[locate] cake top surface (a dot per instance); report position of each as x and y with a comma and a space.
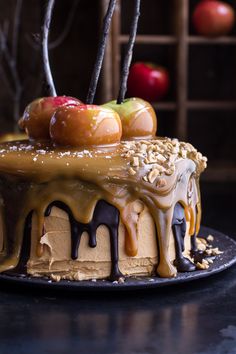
131, 158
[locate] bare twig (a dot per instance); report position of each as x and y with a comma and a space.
101, 51
35, 41
10, 61
15, 31
129, 53
46, 28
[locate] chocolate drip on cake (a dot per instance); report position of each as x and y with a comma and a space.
182, 263
194, 243
21, 267
196, 254
104, 214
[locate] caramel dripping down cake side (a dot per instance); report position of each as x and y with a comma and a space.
141, 203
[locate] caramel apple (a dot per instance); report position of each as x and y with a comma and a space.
37, 115
85, 125
137, 116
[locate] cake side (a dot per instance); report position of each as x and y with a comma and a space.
95, 263
102, 186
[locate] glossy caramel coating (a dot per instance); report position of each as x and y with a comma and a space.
85, 125
37, 115
137, 116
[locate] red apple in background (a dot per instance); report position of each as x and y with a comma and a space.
37, 115
148, 81
213, 18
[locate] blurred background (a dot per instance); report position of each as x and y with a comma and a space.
199, 102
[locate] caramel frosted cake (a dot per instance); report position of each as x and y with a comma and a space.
93, 193
112, 210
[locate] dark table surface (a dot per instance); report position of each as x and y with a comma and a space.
193, 318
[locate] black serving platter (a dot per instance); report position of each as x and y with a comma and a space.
222, 262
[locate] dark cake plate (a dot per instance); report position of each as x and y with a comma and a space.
222, 262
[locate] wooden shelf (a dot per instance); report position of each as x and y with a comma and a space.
165, 106
167, 40
149, 39
211, 41
197, 105
211, 105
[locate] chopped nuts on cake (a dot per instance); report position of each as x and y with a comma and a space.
163, 153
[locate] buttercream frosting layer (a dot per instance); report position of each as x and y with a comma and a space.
94, 263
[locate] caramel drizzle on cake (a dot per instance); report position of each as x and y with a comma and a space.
35, 175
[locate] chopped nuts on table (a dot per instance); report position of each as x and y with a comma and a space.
201, 247
55, 277
202, 266
208, 251
210, 238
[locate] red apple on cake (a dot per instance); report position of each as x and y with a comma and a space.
85, 125
137, 116
37, 115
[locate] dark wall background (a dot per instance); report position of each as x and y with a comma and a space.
72, 59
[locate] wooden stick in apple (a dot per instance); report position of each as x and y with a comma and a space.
137, 116
129, 53
37, 115
101, 51
46, 64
